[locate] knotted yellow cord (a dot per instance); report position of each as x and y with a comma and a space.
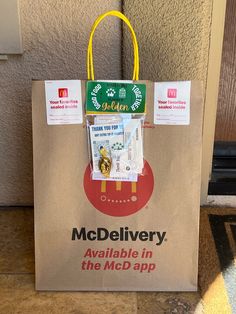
90, 67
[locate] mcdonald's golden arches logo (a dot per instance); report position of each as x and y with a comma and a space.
62, 92
116, 198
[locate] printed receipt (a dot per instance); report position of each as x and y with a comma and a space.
123, 143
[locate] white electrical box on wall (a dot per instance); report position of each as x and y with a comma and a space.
10, 32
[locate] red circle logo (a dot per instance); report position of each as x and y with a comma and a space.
119, 198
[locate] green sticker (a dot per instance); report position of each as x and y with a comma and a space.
111, 97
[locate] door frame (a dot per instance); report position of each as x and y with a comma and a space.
211, 93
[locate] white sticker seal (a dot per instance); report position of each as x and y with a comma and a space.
63, 102
172, 103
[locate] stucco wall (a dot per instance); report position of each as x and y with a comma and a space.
55, 36
173, 38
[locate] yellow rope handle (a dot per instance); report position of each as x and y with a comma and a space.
90, 67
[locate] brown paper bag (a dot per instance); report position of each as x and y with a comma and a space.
81, 243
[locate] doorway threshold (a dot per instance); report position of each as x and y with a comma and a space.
223, 177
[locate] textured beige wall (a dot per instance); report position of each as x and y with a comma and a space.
173, 38
174, 42
55, 36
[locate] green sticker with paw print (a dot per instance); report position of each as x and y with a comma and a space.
114, 97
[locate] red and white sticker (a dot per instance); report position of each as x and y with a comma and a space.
172, 103
63, 102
